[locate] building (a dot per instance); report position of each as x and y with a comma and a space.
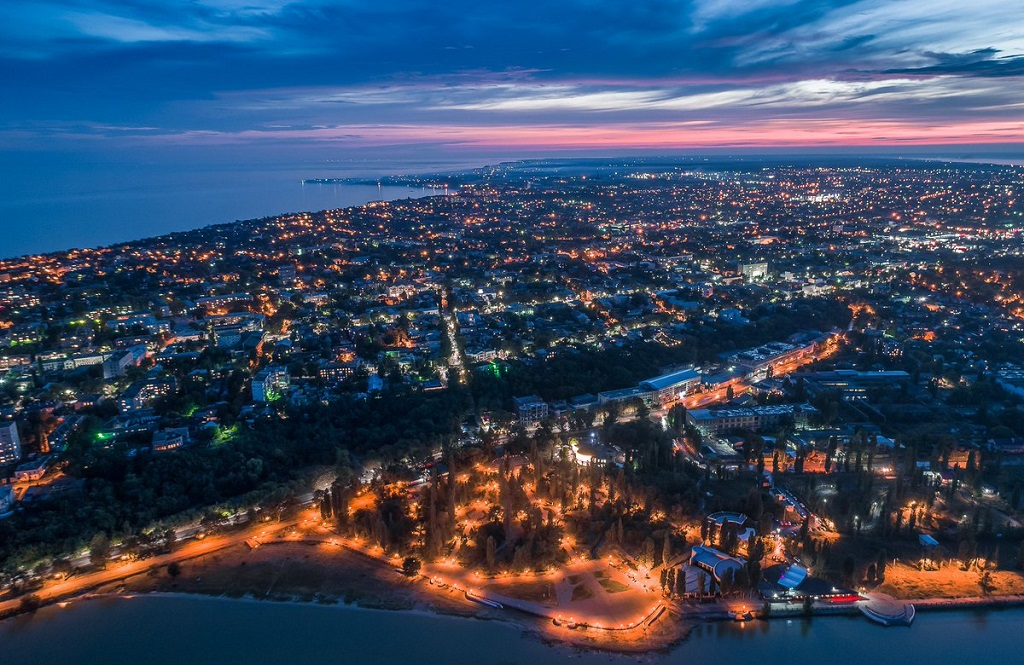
773, 353
720, 421
593, 453
228, 337
715, 562
531, 409
626, 395
717, 452
10, 443
754, 272
269, 384
1013, 447
147, 322
117, 364
6, 500
170, 439
142, 394
32, 470
851, 385
792, 582
671, 387
720, 519
724, 527
1011, 379
58, 438
212, 302
336, 372
59, 362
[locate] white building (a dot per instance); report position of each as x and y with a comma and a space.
170, 439
531, 409
672, 387
269, 384
754, 272
10, 443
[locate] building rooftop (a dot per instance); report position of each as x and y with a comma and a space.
669, 380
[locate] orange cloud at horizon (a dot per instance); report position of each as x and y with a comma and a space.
697, 134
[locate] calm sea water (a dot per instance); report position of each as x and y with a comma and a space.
76, 206
182, 629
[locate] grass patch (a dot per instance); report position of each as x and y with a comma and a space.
534, 592
613, 586
581, 592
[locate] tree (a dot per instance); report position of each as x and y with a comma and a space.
849, 566
99, 549
728, 581
411, 566
646, 558
754, 557
170, 536
492, 547
30, 603
985, 582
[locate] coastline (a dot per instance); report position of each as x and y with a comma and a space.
296, 572
312, 572
271, 199
302, 561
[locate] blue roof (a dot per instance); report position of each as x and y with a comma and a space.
793, 577
669, 380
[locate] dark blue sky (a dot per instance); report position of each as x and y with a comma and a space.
262, 79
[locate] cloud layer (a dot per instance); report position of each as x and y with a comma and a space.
567, 74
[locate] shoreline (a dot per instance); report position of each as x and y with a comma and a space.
978, 604
969, 603
310, 573
225, 220
284, 572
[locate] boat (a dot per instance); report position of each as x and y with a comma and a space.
742, 616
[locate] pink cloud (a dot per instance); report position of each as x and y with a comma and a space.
784, 132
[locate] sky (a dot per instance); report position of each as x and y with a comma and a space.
256, 80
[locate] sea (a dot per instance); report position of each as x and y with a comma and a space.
175, 629
77, 206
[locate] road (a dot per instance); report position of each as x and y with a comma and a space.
78, 584
779, 370
455, 363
